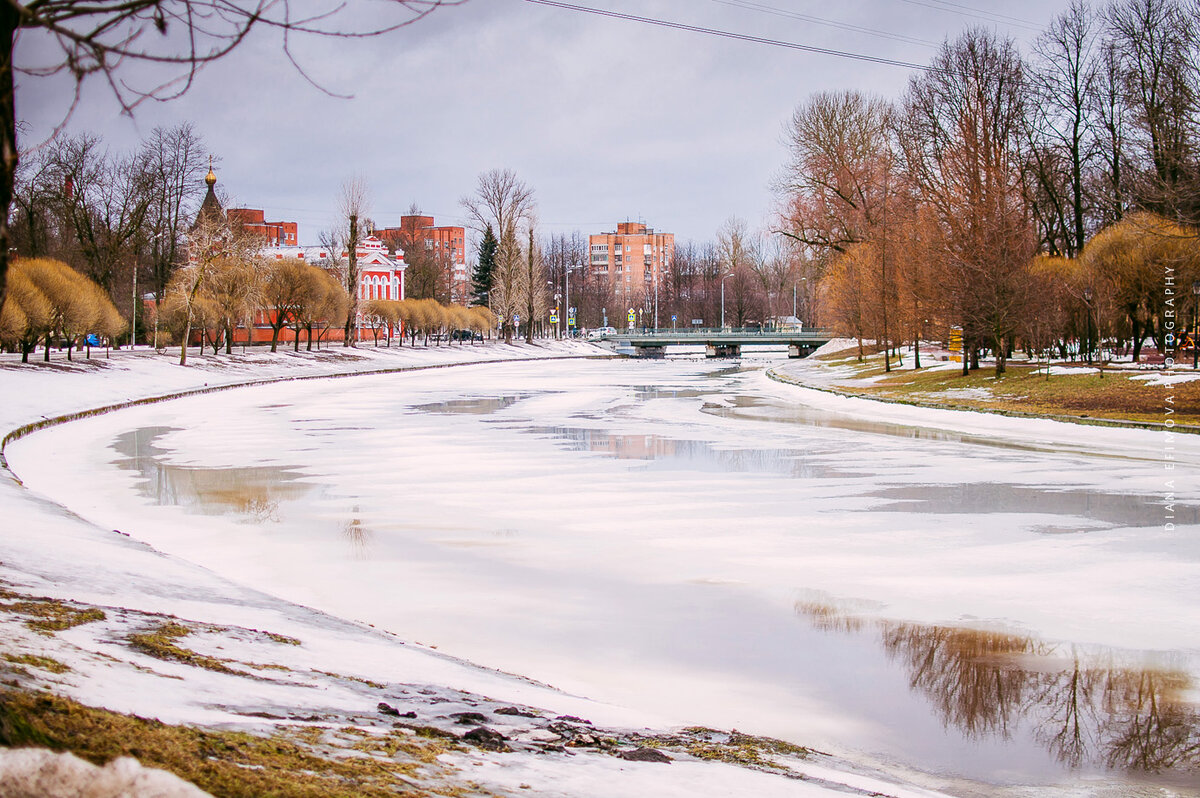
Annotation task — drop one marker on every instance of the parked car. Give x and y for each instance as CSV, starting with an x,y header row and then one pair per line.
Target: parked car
x,y
600,332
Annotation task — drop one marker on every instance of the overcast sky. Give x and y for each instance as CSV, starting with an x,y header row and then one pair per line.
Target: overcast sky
x,y
606,119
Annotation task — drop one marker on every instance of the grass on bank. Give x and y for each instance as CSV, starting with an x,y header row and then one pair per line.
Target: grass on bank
x,y
306,763
1112,394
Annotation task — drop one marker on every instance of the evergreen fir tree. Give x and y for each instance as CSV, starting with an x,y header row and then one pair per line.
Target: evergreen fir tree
x,y
481,281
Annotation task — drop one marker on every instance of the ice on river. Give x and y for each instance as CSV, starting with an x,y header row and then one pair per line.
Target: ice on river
x,y
677,536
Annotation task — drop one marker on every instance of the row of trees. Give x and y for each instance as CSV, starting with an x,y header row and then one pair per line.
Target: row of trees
x,y
49,301
119,218
927,213
426,317
227,284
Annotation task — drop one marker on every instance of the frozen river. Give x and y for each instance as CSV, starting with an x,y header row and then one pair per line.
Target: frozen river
x,y
684,538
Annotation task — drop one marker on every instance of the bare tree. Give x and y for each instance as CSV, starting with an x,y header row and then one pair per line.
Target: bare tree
x,y
104,200
175,37
961,142
174,160
832,184
1062,142
352,207
503,201
1156,40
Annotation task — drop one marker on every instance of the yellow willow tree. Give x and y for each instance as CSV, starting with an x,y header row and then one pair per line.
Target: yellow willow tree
x,y
212,244
76,305
284,289
1151,263
328,305
234,289
481,320
26,314
376,313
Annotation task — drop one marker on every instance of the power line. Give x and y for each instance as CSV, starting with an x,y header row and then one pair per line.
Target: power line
x,y
780,12
974,13
731,35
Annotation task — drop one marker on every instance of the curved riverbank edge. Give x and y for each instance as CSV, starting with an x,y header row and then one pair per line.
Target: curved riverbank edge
x,y
89,615
1154,426
65,418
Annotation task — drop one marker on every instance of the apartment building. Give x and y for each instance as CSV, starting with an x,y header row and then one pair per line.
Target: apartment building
x,y
633,260
446,242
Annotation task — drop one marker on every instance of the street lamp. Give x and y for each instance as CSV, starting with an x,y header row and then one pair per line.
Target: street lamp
x,y
1195,337
1087,297
723,279
567,294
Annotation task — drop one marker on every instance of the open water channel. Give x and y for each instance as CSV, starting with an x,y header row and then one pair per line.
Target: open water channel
x,y
684,537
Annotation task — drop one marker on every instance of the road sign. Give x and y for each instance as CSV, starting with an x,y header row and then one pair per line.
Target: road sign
x,y
516,318
674,317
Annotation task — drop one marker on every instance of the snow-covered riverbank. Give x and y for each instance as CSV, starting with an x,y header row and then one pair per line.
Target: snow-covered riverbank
x,y
340,672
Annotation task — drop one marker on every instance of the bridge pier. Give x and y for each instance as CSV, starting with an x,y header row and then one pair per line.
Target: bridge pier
x,y
723,350
655,352
796,350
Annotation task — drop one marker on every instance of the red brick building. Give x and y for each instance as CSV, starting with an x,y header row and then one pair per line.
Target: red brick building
x,y
446,242
274,234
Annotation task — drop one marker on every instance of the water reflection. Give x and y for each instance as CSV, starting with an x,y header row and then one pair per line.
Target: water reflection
x,y
691,454
969,498
1085,709
766,409
357,534
480,406
254,492
1119,509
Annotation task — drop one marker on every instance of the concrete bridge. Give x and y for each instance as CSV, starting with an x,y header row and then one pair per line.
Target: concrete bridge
x,y
717,343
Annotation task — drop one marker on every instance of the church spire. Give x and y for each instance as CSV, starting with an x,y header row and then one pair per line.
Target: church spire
x,y
210,208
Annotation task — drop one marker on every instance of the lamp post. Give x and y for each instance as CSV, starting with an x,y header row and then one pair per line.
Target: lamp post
x,y
723,279
1195,337
1087,298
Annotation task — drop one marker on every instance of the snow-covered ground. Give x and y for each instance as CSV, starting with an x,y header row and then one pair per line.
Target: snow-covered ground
x,y
341,667
572,441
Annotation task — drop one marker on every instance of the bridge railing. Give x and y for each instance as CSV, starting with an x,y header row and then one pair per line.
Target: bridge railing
x,y
710,333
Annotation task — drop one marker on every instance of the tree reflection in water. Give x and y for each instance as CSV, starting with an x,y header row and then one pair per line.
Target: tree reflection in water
x,y
1084,710
357,534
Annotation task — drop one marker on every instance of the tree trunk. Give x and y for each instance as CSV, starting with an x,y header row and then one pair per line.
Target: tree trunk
x,y
187,333
275,337
352,283
9,23
229,339
1137,336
